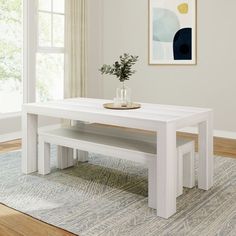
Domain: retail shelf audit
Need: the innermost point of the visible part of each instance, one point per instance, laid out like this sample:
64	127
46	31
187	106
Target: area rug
108	196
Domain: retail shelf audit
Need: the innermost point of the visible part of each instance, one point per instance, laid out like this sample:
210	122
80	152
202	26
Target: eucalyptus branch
122	69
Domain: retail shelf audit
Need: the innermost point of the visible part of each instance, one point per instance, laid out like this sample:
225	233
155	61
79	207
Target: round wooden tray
129	107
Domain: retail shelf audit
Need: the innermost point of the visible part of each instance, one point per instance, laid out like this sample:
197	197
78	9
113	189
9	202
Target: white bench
116	142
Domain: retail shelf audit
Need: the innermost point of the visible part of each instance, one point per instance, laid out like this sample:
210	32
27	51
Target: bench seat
133	145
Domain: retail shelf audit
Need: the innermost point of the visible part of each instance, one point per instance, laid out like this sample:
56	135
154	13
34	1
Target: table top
83	107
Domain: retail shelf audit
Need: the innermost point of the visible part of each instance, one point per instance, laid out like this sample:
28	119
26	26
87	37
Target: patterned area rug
108	196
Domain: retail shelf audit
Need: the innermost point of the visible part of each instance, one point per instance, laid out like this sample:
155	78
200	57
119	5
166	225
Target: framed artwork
172	32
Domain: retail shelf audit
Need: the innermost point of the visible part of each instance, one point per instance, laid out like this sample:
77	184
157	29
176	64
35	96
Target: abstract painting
172	32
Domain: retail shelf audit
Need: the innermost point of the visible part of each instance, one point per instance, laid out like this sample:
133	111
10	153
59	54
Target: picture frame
172	32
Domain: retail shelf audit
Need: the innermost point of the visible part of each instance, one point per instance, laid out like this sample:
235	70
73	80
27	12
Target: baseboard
191	130
4	116
17	135
48	127
9	137
217	133
224	142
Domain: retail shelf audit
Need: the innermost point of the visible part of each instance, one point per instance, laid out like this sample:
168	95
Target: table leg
206	161
152	186
29	143
166	170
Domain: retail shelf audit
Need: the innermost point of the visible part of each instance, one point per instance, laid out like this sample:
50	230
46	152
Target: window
11	89
50	50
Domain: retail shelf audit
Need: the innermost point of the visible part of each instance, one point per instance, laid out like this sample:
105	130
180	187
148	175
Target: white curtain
75	48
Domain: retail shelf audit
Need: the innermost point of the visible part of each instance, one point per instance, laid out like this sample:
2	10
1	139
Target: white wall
95	48
118	26
211	83
10	126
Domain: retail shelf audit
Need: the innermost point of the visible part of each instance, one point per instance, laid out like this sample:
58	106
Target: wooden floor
222	146
13	223
10	146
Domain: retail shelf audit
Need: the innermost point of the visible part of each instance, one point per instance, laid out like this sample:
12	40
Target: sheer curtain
75	48
75	56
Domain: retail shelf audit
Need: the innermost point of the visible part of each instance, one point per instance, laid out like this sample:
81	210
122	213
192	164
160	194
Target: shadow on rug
108	196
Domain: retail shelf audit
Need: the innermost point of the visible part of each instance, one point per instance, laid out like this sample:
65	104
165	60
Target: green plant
121	69
10	41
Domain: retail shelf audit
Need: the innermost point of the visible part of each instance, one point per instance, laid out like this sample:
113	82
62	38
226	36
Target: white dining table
163	119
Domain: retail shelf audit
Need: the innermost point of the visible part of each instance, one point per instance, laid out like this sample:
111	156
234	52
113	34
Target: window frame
29	52
52	49
31	47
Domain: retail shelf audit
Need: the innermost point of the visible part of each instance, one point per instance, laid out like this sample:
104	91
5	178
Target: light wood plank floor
222	146
10	146
13	223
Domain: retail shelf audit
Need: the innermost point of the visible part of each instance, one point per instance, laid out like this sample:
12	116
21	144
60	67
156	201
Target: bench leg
64	157
179	189
82	156
188	169
44	158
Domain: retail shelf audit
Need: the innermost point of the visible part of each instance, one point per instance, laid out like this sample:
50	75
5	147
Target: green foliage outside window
11	40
